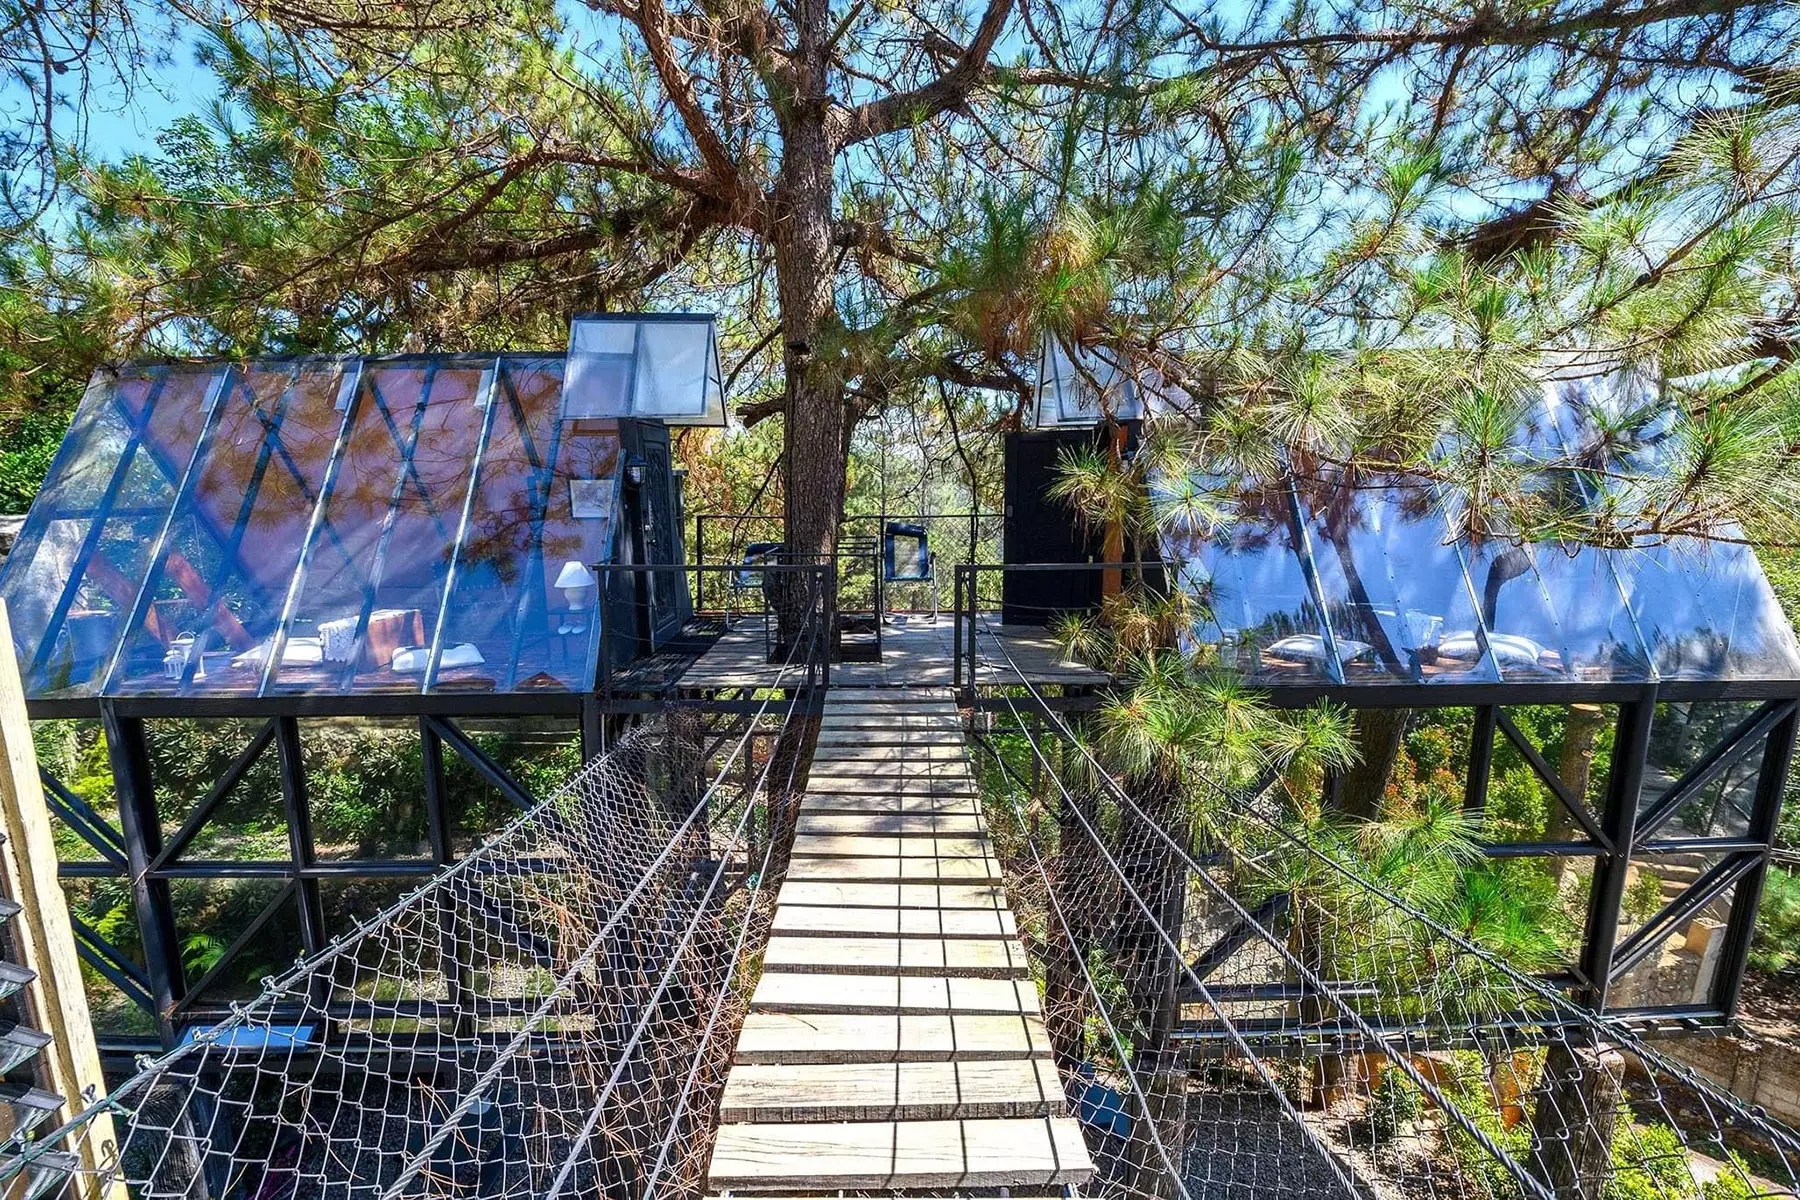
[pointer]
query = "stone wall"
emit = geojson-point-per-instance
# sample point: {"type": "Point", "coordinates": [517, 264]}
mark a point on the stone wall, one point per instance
{"type": "Point", "coordinates": [1762, 1072]}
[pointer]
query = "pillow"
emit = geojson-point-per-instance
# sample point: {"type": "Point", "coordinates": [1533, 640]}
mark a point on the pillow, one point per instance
{"type": "Point", "coordinates": [1310, 648]}
{"type": "Point", "coordinates": [299, 652]}
{"type": "Point", "coordinates": [1510, 649]}
{"type": "Point", "coordinates": [413, 658]}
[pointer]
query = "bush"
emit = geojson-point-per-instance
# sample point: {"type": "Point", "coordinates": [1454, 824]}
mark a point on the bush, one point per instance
{"type": "Point", "coordinates": [1517, 806]}
{"type": "Point", "coordinates": [1777, 943]}
{"type": "Point", "coordinates": [1644, 896]}
{"type": "Point", "coordinates": [1649, 1163]}
{"type": "Point", "coordinates": [26, 450]}
{"type": "Point", "coordinates": [1393, 1105]}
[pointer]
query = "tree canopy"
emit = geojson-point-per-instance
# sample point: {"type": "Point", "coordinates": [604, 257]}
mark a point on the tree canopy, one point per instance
{"type": "Point", "coordinates": [891, 204]}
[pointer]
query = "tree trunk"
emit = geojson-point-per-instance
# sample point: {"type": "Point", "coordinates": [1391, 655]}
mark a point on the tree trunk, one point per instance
{"type": "Point", "coordinates": [1577, 1110]}
{"type": "Point", "coordinates": [816, 430]}
{"type": "Point", "coordinates": [1573, 767]}
{"type": "Point", "coordinates": [1379, 732]}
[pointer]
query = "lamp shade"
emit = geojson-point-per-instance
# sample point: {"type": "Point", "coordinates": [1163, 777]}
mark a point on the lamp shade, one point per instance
{"type": "Point", "coordinates": [575, 575]}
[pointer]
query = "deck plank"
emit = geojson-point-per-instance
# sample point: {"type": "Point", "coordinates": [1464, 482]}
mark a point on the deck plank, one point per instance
{"type": "Point", "coordinates": [894, 1091]}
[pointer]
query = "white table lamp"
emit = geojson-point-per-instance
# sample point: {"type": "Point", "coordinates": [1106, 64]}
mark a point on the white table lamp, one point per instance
{"type": "Point", "coordinates": [577, 584]}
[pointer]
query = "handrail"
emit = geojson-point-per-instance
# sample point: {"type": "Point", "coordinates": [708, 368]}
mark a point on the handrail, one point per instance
{"type": "Point", "coordinates": [817, 607]}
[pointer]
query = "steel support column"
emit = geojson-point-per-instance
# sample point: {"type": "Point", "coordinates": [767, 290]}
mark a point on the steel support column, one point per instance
{"type": "Point", "coordinates": [301, 851]}
{"type": "Point", "coordinates": [1631, 747]}
{"type": "Point", "coordinates": [138, 821]}
{"type": "Point", "coordinates": [1765, 817]}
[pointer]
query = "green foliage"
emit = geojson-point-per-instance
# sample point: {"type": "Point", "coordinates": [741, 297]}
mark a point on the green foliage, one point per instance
{"type": "Point", "coordinates": [1733, 1182]}
{"type": "Point", "coordinates": [1777, 943]}
{"type": "Point", "coordinates": [1394, 1104]}
{"type": "Point", "coordinates": [1474, 1099]}
{"type": "Point", "coordinates": [1643, 896]}
{"type": "Point", "coordinates": [1649, 1163]}
{"type": "Point", "coordinates": [26, 450]}
{"type": "Point", "coordinates": [1517, 806]}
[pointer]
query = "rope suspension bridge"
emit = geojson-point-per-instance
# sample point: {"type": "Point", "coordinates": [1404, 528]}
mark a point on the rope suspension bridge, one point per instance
{"type": "Point", "coordinates": [877, 952]}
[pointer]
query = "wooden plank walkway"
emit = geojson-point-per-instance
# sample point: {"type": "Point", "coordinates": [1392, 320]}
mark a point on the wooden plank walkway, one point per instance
{"type": "Point", "coordinates": [894, 1041]}
{"type": "Point", "coordinates": [915, 656]}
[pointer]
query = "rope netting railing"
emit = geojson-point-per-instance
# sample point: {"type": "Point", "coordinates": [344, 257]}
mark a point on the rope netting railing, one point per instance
{"type": "Point", "coordinates": [550, 1016]}
{"type": "Point", "coordinates": [1246, 1009]}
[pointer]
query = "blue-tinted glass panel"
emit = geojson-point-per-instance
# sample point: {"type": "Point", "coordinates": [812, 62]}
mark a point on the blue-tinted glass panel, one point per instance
{"type": "Point", "coordinates": [1555, 613]}
{"type": "Point", "coordinates": [1258, 615]}
{"type": "Point", "coordinates": [367, 601]}
{"type": "Point", "coordinates": [217, 591]}
{"type": "Point", "coordinates": [1071, 386]}
{"type": "Point", "coordinates": [1707, 612]}
{"type": "Point", "coordinates": [74, 580]}
{"type": "Point", "coordinates": [623, 366]}
{"type": "Point", "coordinates": [579, 528]}
{"type": "Point", "coordinates": [505, 602]}
{"type": "Point", "coordinates": [1396, 596]}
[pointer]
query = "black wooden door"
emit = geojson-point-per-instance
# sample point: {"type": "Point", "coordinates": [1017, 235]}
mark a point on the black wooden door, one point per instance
{"type": "Point", "coordinates": [1040, 529]}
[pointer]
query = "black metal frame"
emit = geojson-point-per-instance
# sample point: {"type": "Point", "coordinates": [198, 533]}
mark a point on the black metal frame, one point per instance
{"type": "Point", "coordinates": [1618, 837]}
{"type": "Point", "coordinates": [137, 850]}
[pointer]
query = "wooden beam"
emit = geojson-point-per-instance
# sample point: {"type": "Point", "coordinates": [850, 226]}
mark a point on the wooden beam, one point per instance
{"type": "Point", "coordinates": [57, 998]}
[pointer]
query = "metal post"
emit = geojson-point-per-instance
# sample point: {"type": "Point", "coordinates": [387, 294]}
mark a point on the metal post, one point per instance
{"type": "Point", "coordinates": [1765, 817]}
{"type": "Point", "coordinates": [593, 729]}
{"type": "Point", "coordinates": [300, 848]}
{"type": "Point", "coordinates": [138, 821]}
{"type": "Point", "coordinates": [956, 628]}
{"type": "Point", "coordinates": [1631, 747]}
{"type": "Point", "coordinates": [450, 935]}
{"type": "Point", "coordinates": [1481, 759]}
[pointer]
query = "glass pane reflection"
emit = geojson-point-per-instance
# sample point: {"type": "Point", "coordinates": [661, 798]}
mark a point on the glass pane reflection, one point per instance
{"type": "Point", "coordinates": [1396, 595]}
{"type": "Point", "coordinates": [1257, 612]}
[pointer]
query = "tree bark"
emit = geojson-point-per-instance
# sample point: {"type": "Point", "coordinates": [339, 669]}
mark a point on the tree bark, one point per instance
{"type": "Point", "coordinates": [1379, 732]}
{"type": "Point", "coordinates": [1573, 767]}
{"type": "Point", "coordinates": [816, 430]}
{"type": "Point", "coordinates": [1577, 1110]}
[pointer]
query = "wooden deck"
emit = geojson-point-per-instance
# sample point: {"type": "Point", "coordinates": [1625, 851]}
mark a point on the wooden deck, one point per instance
{"type": "Point", "coordinates": [915, 654]}
{"type": "Point", "coordinates": [893, 1041]}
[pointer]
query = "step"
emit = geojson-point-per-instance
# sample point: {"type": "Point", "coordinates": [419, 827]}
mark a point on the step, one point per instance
{"type": "Point", "coordinates": [909, 869]}
{"type": "Point", "coordinates": [890, 737]}
{"type": "Point", "coordinates": [854, 1037]}
{"type": "Point", "coordinates": [817, 893]}
{"type": "Point", "coordinates": [888, 695]}
{"type": "Point", "coordinates": [862, 751]}
{"type": "Point", "coordinates": [882, 780]}
{"type": "Point", "coordinates": [869, 845]}
{"type": "Point", "coordinates": [799, 993]}
{"type": "Point", "coordinates": [891, 824]}
{"type": "Point", "coordinates": [802, 920]}
{"type": "Point", "coordinates": [987, 958]}
{"type": "Point", "coordinates": [899, 1154]}
{"type": "Point", "coordinates": [890, 721]}
{"type": "Point", "coordinates": [847, 802]}
{"type": "Point", "coordinates": [894, 1091]}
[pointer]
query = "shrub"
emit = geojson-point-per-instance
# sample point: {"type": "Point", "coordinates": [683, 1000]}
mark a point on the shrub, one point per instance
{"type": "Point", "coordinates": [25, 454]}
{"type": "Point", "coordinates": [1644, 896]}
{"type": "Point", "coordinates": [1777, 943]}
{"type": "Point", "coordinates": [1649, 1163]}
{"type": "Point", "coordinates": [1393, 1105]}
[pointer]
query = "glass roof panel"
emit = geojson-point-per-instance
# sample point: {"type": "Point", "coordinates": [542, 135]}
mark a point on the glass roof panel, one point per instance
{"type": "Point", "coordinates": [1707, 611]}
{"type": "Point", "coordinates": [326, 526]}
{"type": "Point", "coordinates": [662, 365]}
{"type": "Point", "coordinates": [1257, 610]}
{"type": "Point", "coordinates": [1556, 613]}
{"type": "Point", "coordinates": [526, 522]}
{"type": "Point", "coordinates": [363, 606]}
{"type": "Point", "coordinates": [1396, 596]}
{"type": "Point", "coordinates": [222, 571]}
{"type": "Point", "coordinates": [74, 576]}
